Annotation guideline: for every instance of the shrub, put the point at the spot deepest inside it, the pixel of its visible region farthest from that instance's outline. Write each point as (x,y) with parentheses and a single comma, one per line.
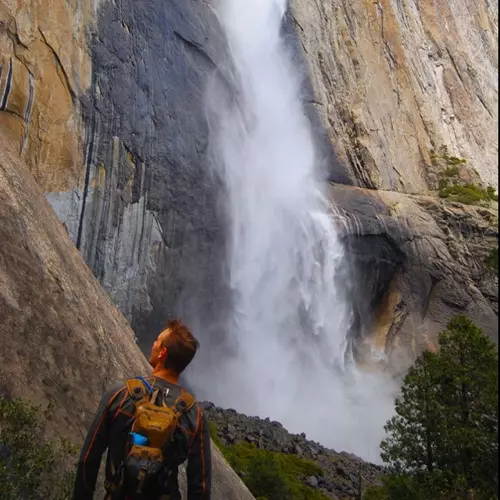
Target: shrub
(451,161)
(490,191)
(454,161)
(31,468)
(449,183)
(450,172)
(469,194)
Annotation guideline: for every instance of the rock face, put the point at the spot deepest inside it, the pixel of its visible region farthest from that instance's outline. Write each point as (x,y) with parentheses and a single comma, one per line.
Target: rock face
(418,261)
(395,79)
(63,340)
(150,229)
(226,483)
(104,102)
(44,68)
(344,475)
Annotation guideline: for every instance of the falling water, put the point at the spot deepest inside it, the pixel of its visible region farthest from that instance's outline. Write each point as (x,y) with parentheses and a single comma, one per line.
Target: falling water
(291,358)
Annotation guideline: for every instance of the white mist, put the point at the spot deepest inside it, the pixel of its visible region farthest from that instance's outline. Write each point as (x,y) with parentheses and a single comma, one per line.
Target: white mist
(290,357)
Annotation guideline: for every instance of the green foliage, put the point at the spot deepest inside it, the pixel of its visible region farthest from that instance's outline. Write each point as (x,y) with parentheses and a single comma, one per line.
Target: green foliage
(271,475)
(449,185)
(469,194)
(451,161)
(212,428)
(443,440)
(434,485)
(454,161)
(492,260)
(450,172)
(401,487)
(490,192)
(29,467)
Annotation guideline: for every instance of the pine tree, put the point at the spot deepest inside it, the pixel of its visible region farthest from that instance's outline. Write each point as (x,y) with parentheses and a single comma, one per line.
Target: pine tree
(444,436)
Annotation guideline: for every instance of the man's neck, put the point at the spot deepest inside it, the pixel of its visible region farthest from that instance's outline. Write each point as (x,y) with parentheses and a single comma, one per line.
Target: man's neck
(166,375)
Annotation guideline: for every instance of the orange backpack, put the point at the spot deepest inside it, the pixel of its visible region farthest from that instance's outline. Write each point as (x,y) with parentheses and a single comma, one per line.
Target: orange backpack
(143,472)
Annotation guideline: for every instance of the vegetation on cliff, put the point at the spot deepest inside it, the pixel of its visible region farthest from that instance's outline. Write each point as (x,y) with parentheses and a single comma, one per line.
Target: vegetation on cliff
(452,187)
(443,441)
(30,466)
(492,261)
(468,194)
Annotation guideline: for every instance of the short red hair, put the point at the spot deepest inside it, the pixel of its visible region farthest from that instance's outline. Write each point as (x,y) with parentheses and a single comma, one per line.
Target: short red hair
(181,346)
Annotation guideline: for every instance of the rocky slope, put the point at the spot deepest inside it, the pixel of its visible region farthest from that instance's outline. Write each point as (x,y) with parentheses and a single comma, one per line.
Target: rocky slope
(62,338)
(344,475)
(63,341)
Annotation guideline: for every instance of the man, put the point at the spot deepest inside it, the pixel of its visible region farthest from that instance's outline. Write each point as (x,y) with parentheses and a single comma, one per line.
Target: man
(171,353)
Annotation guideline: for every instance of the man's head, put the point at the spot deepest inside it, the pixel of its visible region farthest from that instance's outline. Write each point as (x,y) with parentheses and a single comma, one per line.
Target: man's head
(174,348)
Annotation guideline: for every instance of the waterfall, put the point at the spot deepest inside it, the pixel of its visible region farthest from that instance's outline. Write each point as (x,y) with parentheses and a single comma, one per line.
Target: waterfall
(289,353)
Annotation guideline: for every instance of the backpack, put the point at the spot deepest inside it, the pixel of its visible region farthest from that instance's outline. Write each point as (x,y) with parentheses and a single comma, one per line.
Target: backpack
(144,471)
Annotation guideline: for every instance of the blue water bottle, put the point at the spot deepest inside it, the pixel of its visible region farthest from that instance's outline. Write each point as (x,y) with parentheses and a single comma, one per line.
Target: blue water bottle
(138,439)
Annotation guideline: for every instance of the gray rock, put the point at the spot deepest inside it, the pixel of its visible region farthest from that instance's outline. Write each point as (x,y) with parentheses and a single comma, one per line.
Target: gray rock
(311,481)
(419,261)
(339,469)
(147,220)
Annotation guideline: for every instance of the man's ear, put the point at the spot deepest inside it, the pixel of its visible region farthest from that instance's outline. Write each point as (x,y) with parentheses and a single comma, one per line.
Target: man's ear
(163,353)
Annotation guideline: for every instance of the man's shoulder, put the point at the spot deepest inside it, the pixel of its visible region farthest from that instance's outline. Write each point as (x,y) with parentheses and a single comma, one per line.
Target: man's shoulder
(119,386)
(151,382)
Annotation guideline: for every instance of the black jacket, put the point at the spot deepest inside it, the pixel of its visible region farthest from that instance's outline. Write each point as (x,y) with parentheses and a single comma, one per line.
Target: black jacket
(110,429)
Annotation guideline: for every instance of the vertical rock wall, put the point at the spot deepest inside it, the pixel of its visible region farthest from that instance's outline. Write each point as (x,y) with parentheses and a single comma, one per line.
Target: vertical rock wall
(395,79)
(105,103)
(44,68)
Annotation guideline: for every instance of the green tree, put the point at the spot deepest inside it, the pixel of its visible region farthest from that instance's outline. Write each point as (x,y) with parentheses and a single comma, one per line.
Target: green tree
(443,440)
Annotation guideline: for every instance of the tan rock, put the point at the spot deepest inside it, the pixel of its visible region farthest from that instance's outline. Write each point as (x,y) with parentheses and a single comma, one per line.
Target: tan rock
(226,483)
(45,65)
(395,80)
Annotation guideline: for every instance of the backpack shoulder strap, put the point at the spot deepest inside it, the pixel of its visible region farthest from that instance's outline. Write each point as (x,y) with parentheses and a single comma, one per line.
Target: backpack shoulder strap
(184,402)
(138,391)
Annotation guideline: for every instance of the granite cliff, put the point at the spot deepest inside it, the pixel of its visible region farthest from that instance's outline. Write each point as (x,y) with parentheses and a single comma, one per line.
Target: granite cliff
(394,81)
(102,109)
(427,261)
(104,101)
